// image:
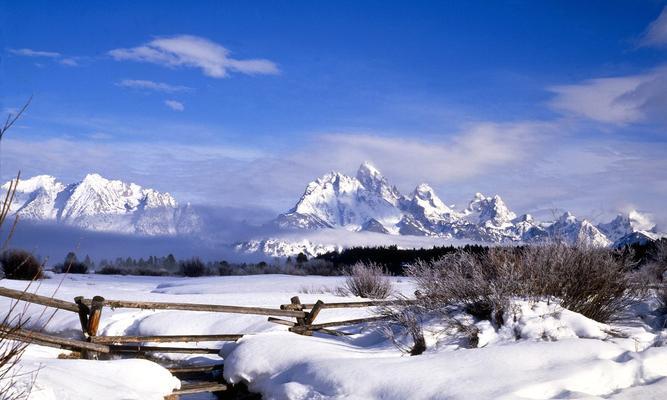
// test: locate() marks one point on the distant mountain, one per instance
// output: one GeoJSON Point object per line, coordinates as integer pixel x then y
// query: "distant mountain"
{"type": "Point", "coordinates": [369, 203]}
{"type": "Point", "coordinates": [100, 204]}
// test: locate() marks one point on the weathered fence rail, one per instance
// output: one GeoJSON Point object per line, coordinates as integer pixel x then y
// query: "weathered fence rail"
{"type": "Point", "coordinates": [44, 339]}
{"type": "Point", "coordinates": [165, 339]}
{"type": "Point", "coordinates": [38, 299]}
{"type": "Point", "coordinates": [152, 305]}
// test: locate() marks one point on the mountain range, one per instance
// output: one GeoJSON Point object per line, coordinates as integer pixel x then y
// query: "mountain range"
{"type": "Point", "coordinates": [100, 204]}
{"type": "Point", "coordinates": [367, 202]}
{"type": "Point", "coordinates": [333, 206]}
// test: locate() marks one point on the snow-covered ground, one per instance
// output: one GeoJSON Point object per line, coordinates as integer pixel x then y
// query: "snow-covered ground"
{"type": "Point", "coordinates": [541, 352]}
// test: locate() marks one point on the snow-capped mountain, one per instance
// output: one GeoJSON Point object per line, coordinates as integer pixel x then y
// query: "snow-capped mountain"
{"type": "Point", "coordinates": [336, 199]}
{"type": "Point", "coordinates": [569, 229]}
{"type": "Point", "coordinates": [369, 203]}
{"type": "Point", "coordinates": [100, 204]}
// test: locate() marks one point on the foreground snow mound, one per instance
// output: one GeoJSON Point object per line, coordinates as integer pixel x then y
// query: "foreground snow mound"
{"type": "Point", "coordinates": [286, 366]}
{"type": "Point", "coordinates": [56, 379]}
{"type": "Point", "coordinates": [541, 351]}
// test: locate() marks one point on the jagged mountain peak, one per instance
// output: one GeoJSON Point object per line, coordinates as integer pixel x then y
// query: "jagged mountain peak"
{"type": "Point", "coordinates": [368, 169]}
{"type": "Point", "coordinates": [101, 204]}
{"type": "Point", "coordinates": [525, 218]}
{"type": "Point", "coordinates": [367, 202]}
{"type": "Point", "coordinates": [492, 210]}
{"type": "Point", "coordinates": [567, 217]}
{"type": "Point", "coordinates": [429, 204]}
{"type": "Point", "coordinates": [372, 180]}
{"type": "Point", "coordinates": [625, 224]}
{"type": "Point", "coordinates": [35, 183]}
{"type": "Point", "coordinates": [94, 178]}
{"type": "Point", "coordinates": [424, 190]}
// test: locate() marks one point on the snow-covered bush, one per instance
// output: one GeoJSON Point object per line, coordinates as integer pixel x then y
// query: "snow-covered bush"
{"type": "Point", "coordinates": [367, 280]}
{"type": "Point", "coordinates": [20, 264]}
{"type": "Point", "coordinates": [591, 281]}
{"type": "Point", "coordinates": [462, 279]}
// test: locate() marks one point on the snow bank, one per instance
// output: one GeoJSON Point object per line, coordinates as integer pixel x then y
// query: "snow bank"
{"type": "Point", "coordinates": [540, 351]}
{"type": "Point", "coordinates": [541, 321]}
{"type": "Point", "coordinates": [55, 379]}
{"type": "Point", "coordinates": [287, 366]}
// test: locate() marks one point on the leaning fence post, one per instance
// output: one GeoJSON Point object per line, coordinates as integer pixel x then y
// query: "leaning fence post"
{"type": "Point", "coordinates": [310, 317]}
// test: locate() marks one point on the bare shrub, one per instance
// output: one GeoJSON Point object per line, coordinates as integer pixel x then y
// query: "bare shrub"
{"type": "Point", "coordinates": [408, 317]}
{"type": "Point", "coordinates": [591, 281]}
{"type": "Point", "coordinates": [20, 264]}
{"type": "Point", "coordinates": [367, 280]}
{"type": "Point", "coordinates": [10, 355]}
{"type": "Point", "coordinates": [462, 279]}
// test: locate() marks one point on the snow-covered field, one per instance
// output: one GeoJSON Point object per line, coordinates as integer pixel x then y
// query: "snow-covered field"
{"type": "Point", "coordinates": [560, 354]}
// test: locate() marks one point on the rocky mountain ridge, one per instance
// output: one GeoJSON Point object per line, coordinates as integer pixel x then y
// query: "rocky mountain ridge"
{"type": "Point", "coordinates": [99, 204]}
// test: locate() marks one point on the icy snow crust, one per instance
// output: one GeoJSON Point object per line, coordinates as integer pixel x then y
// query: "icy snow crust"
{"type": "Point", "coordinates": [542, 351]}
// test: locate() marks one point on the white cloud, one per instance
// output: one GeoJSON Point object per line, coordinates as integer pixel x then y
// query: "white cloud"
{"type": "Point", "coordinates": [192, 51]}
{"type": "Point", "coordinates": [174, 105]}
{"type": "Point", "coordinates": [478, 149]}
{"type": "Point", "coordinates": [617, 100]}
{"type": "Point", "coordinates": [34, 53]}
{"type": "Point", "coordinates": [70, 62]}
{"type": "Point", "coordinates": [151, 85]}
{"type": "Point", "coordinates": [656, 33]}
{"type": "Point", "coordinates": [56, 57]}
{"type": "Point", "coordinates": [532, 166]}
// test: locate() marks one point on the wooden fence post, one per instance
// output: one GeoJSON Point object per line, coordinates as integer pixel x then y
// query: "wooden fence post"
{"type": "Point", "coordinates": [310, 317]}
{"type": "Point", "coordinates": [90, 321]}
{"type": "Point", "coordinates": [95, 314]}
{"type": "Point", "coordinates": [83, 315]}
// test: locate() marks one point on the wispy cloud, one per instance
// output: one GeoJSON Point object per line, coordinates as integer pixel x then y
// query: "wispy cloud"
{"type": "Point", "coordinates": [617, 100]}
{"type": "Point", "coordinates": [479, 148]}
{"type": "Point", "coordinates": [174, 105]}
{"type": "Point", "coordinates": [196, 52]}
{"type": "Point", "coordinates": [70, 62]}
{"type": "Point", "coordinates": [656, 33]}
{"type": "Point", "coordinates": [34, 53]}
{"type": "Point", "coordinates": [55, 56]}
{"type": "Point", "coordinates": [151, 85]}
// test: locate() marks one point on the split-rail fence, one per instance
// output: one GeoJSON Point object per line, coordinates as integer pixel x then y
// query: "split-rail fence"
{"type": "Point", "coordinates": [91, 345]}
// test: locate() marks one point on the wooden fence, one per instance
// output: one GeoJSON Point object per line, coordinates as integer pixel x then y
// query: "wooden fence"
{"type": "Point", "coordinates": [91, 345]}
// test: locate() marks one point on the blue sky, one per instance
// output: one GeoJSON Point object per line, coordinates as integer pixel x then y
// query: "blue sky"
{"type": "Point", "coordinates": [549, 104]}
